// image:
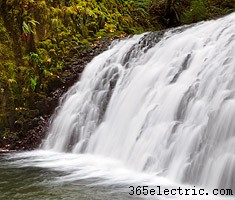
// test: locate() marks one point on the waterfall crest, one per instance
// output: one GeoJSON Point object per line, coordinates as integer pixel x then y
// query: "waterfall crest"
{"type": "Point", "coordinates": [159, 102]}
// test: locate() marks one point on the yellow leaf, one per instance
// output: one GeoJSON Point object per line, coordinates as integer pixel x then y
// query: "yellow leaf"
{"type": "Point", "coordinates": [11, 81]}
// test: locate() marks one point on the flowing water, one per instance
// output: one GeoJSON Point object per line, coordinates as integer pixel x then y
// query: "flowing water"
{"type": "Point", "coordinates": [156, 109]}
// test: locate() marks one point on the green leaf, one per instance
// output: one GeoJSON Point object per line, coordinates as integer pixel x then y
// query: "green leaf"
{"type": "Point", "coordinates": [33, 82]}
{"type": "Point", "coordinates": [34, 22]}
{"type": "Point", "coordinates": [25, 28]}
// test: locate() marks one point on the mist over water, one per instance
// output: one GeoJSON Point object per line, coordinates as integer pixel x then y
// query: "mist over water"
{"type": "Point", "coordinates": [154, 109]}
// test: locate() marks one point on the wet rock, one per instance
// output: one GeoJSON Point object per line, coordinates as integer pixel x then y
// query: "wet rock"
{"type": "Point", "coordinates": [54, 84]}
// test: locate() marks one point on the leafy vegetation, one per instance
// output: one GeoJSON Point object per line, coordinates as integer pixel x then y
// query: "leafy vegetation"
{"type": "Point", "coordinates": [37, 37]}
{"type": "Point", "coordinates": [170, 13]}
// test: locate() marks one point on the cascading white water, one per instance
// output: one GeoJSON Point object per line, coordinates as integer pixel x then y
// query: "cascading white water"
{"type": "Point", "coordinates": [158, 102]}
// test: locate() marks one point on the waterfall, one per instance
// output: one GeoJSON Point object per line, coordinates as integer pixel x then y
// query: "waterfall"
{"type": "Point", "coordinates": [159, 102]}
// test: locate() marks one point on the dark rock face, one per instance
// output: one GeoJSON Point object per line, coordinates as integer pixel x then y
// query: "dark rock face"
{"type": "Point", "coordinates": [30, 131]}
